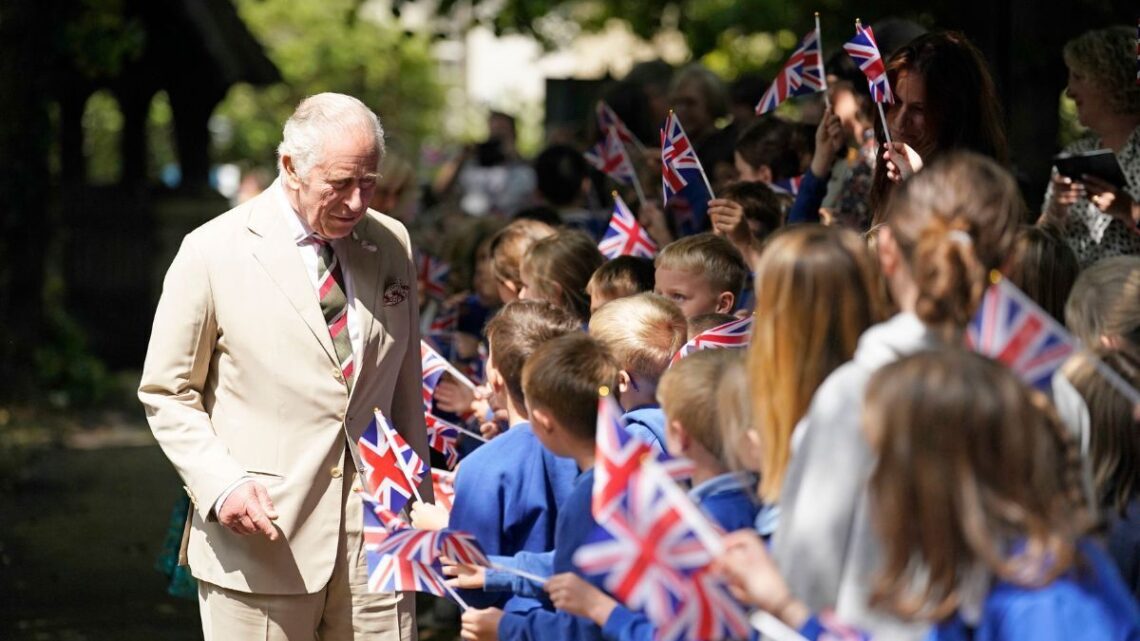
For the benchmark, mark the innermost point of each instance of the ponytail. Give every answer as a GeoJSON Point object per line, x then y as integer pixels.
{"type": "Point", "coordinates": [949, 277]}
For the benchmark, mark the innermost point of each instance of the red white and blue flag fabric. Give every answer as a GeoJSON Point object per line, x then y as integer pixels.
{"type": "Point", "coordinates": [609, 121]}
{"type": "Point", "coordinates": [434, 367]}
{"type": "Point", "coordinates": [432, 274]}
{"type": "Point", "coordinates": [802, 74]}
{"type": "Point", "coordinates": [443, 486]}
{"type": "Point", "coordinates": [443, 437]}
{"type": "Point", "coordinates": [650, 556]}
{"type": "Point", "coordinates": [1011, 329]}
{"type": "Point", "coordinates": [610, 157]}
{"type": "Point", "coordinates": [865, 52]}
{"type": "Point", "coordinates": [625, 236]}
{"type": "Point", "coordinates": [391, 573]}
{"type": "Point", "coordinates": [409, 559]}
{"type": "Point", "coordinates": [618, 456]}
{"type": "Point", "coordinates": [682, 176]}
{"type": "Point", "coordinates": [788, 186]}
{"type": "Point", "coordinates": [386, 477]}
{"type": "Point", "coordinates": [735, 334]}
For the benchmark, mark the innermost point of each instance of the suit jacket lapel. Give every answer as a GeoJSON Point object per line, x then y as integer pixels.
{"type": "Point", "coordinates": [276, 251]}
{"type": "Point", "coordinates": [364, 262]}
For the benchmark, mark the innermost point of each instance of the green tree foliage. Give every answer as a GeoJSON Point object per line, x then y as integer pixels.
{"type": "Point", "coordinates": [329, 45]}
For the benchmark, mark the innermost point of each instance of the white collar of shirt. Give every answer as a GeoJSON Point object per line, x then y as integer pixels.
{"type": "Point", "coordinates": [298, 226]}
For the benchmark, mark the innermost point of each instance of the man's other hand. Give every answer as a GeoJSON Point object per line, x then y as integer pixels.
{"type": "Point", "coordinates": [248, 510]}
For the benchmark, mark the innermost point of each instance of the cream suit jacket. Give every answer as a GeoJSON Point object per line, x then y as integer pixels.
{"type": "Point", "coordinates": [241, 379]}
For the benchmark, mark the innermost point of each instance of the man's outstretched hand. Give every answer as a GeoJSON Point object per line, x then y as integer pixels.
{"type": "Point", "coordinates": [248, 510]}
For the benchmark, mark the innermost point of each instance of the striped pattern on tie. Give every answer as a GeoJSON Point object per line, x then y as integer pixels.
{"type": "Point", "coordinates": [334, 306]}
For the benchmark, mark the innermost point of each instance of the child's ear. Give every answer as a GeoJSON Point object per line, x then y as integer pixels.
{"type": "Point", "coordinates": [888, 250]}
{"type": "Point", "coordinates": [540, 420]}
{"type": "Point", "coordinates": [624, 381]}
{"type": "Point", "coordinates": [725, 302]}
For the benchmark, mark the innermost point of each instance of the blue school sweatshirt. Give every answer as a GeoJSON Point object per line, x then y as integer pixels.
{"type": "Point", "coordinates": [647, 423]}
{"type": "Point", "coordinates": [729, 503]}
{"type": "Point", "coordinates": [507, 494]}
{"type": "Point", "coordinates": [575, 524]}
{"type": "Point", "coordinates": [1090, 603]}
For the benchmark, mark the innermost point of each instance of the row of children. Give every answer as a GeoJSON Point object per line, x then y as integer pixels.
{"type": "Point", "coordinates": [912, 487]}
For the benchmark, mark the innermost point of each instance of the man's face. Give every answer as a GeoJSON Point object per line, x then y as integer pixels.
{"type": "Point", "coordinates": [691, 292]}
{"type": "Point", "coordinates": [335, 194]}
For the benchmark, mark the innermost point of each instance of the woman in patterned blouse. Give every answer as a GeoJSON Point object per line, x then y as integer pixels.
{"type": "Point", "coordinates": [1095, 218]}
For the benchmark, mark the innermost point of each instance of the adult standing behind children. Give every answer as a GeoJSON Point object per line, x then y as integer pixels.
{"type": "Point", "coordinates": [282, 324]}
{"type": "Point", "coordinates": [1097, 219]}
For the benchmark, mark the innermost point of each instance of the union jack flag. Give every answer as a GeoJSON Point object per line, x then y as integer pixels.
{"type": "Point", "coordinates": [788, 186]}
{"type": "Point", "coordinates": [385, 480]}
{"type": "Point", "coordinates": [434, 367]}
{"type": "Point", "coordinates": [463, 547]}
{"type": "Point", "coordinates": [681, 173]}
{"type": "Point", "coordinates": [735, 333]}
{"type": "Point", "coordinates": [1011, 329]}
{"type": "Point", "coordinates": [390, 573]}
{"type": "Point", "coordinates": [378, 523]}
{"type": "Point", "coordinates": [618, 457]}
{"type": "Point", "coordinates": [609, 157]}
{"type": "Point", "coordinates": [432, 273]}
{"type": "Point", "coordinates": [443, 437]}
{"type": "Point", "coordinates": [865, 52]}
{"type": "Point", "coordinates": [802, 74]}
{"type": "Point", "coordinates": [650, 557]}
{"type": "Point", "coordinates": [609, 121]}
{"type": "Point", "coordinates": [625, 236]}
{"type": "Point", "coordinates": [443, 483]}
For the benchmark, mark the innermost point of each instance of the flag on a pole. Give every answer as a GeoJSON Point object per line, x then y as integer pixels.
{"type": "Point", "coordinates": [1011, 329]}
{"type": "Point", "coordinates": [443, 437]}
{"type": "Point", "coordinates": [618, 456]}
{"type": "Point", "coordinates": [609, 157]}
{"type": "Point", "coordinates": [386, 477]}
{"type": "Point", "coordinates": [735, 333]}
{"type": "Point", "coordinates": [432, 273]}
{"type": "Point", "coordinates": [651, 555]}
{"type": "Point", "coordinates": [865, 52]}
{"type": "Point", "coordinates": [625, 236]}
{"type": "Point", "coordinates": [682, 175]}
{"type": "Point", "coordinates": [434, 367]}
{"type": "Point", "coordinates": [802, 74]}
{"type": "Point", "coordinates": [608, 121]}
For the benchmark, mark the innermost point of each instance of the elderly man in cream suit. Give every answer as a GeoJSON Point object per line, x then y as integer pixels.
{"type": "Point", "coordinates": [282, 324]}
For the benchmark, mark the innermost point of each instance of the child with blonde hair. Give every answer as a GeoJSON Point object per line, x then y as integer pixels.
{"type": "Point", "coordinates": [643, 332]}
{"type": "Point", "coordinates": [702, 274]}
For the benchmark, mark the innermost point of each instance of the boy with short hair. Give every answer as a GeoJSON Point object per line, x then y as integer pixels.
{"type": "Point", "coordinates": [702, 274]}
{"type": "Point", "coordinates": [623, 276]}
{"type": "Point", "coordinates": [508, 491]}
{"type": "Point", "coordinates": [562, 380]}
{"type": "Point", "coordinates": [688, 395]}
{"type": "Point", "coordinates": [643, 332]}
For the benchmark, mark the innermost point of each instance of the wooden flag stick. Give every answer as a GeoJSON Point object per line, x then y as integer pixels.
{"type": "Point", "coordinates": [477, 437]}
{"type": "Point", "coordinates": [774, 628]}
{"type": "Point", "coordinates": [458, 599]}
{"type": "Point", "coordinates": [524, 574]}
{"type": "Point", "coordinates": [822, 73]}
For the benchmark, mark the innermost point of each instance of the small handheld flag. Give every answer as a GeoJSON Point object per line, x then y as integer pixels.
{"type": "Point", "coordinates": [625, 236]}
{"type": "Point", "coordinates": [682, 174]}
{"type": "Point", "coordinates": [802, 74]}
{"type": "Point", "coordinates": [864, 50]}
{"type": "Point", "coordinates": [392, 469]}
{"type": "Point", "coordinates": [432, 273]}
{"type": "Point", "coordinates": [735, 333]}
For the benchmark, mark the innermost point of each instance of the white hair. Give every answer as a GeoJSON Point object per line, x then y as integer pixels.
{"type": "Point", "coordinates": [319, 117]}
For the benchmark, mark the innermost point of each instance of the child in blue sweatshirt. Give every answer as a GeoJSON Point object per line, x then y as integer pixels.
{"type": "Point", "coordinates": [643, 332]}
{"type": "Point", "coordinates": [969, 454]}
{"type": "Point", "coordinates": [694, 430]}
{"type": "Point", "coordinates": [562, 381]}
{"type": "Point", "coordinates": [508, 491]}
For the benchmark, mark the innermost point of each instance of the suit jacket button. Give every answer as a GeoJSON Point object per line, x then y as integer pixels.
{"type": "Point", "coordinates": [336, 472]}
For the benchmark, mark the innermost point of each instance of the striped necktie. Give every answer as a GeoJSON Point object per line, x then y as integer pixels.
{"type": "Point", "coordinates": [334, 306]}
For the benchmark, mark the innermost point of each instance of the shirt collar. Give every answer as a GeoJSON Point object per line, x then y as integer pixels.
{"type": "Point", "coordinates": [298, 227]}
{"type": "Point", "coordinates": [728, 482]}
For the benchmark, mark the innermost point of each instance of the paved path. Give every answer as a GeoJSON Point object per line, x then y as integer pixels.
{"type": "Point", "coordinates": [78, 542]}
